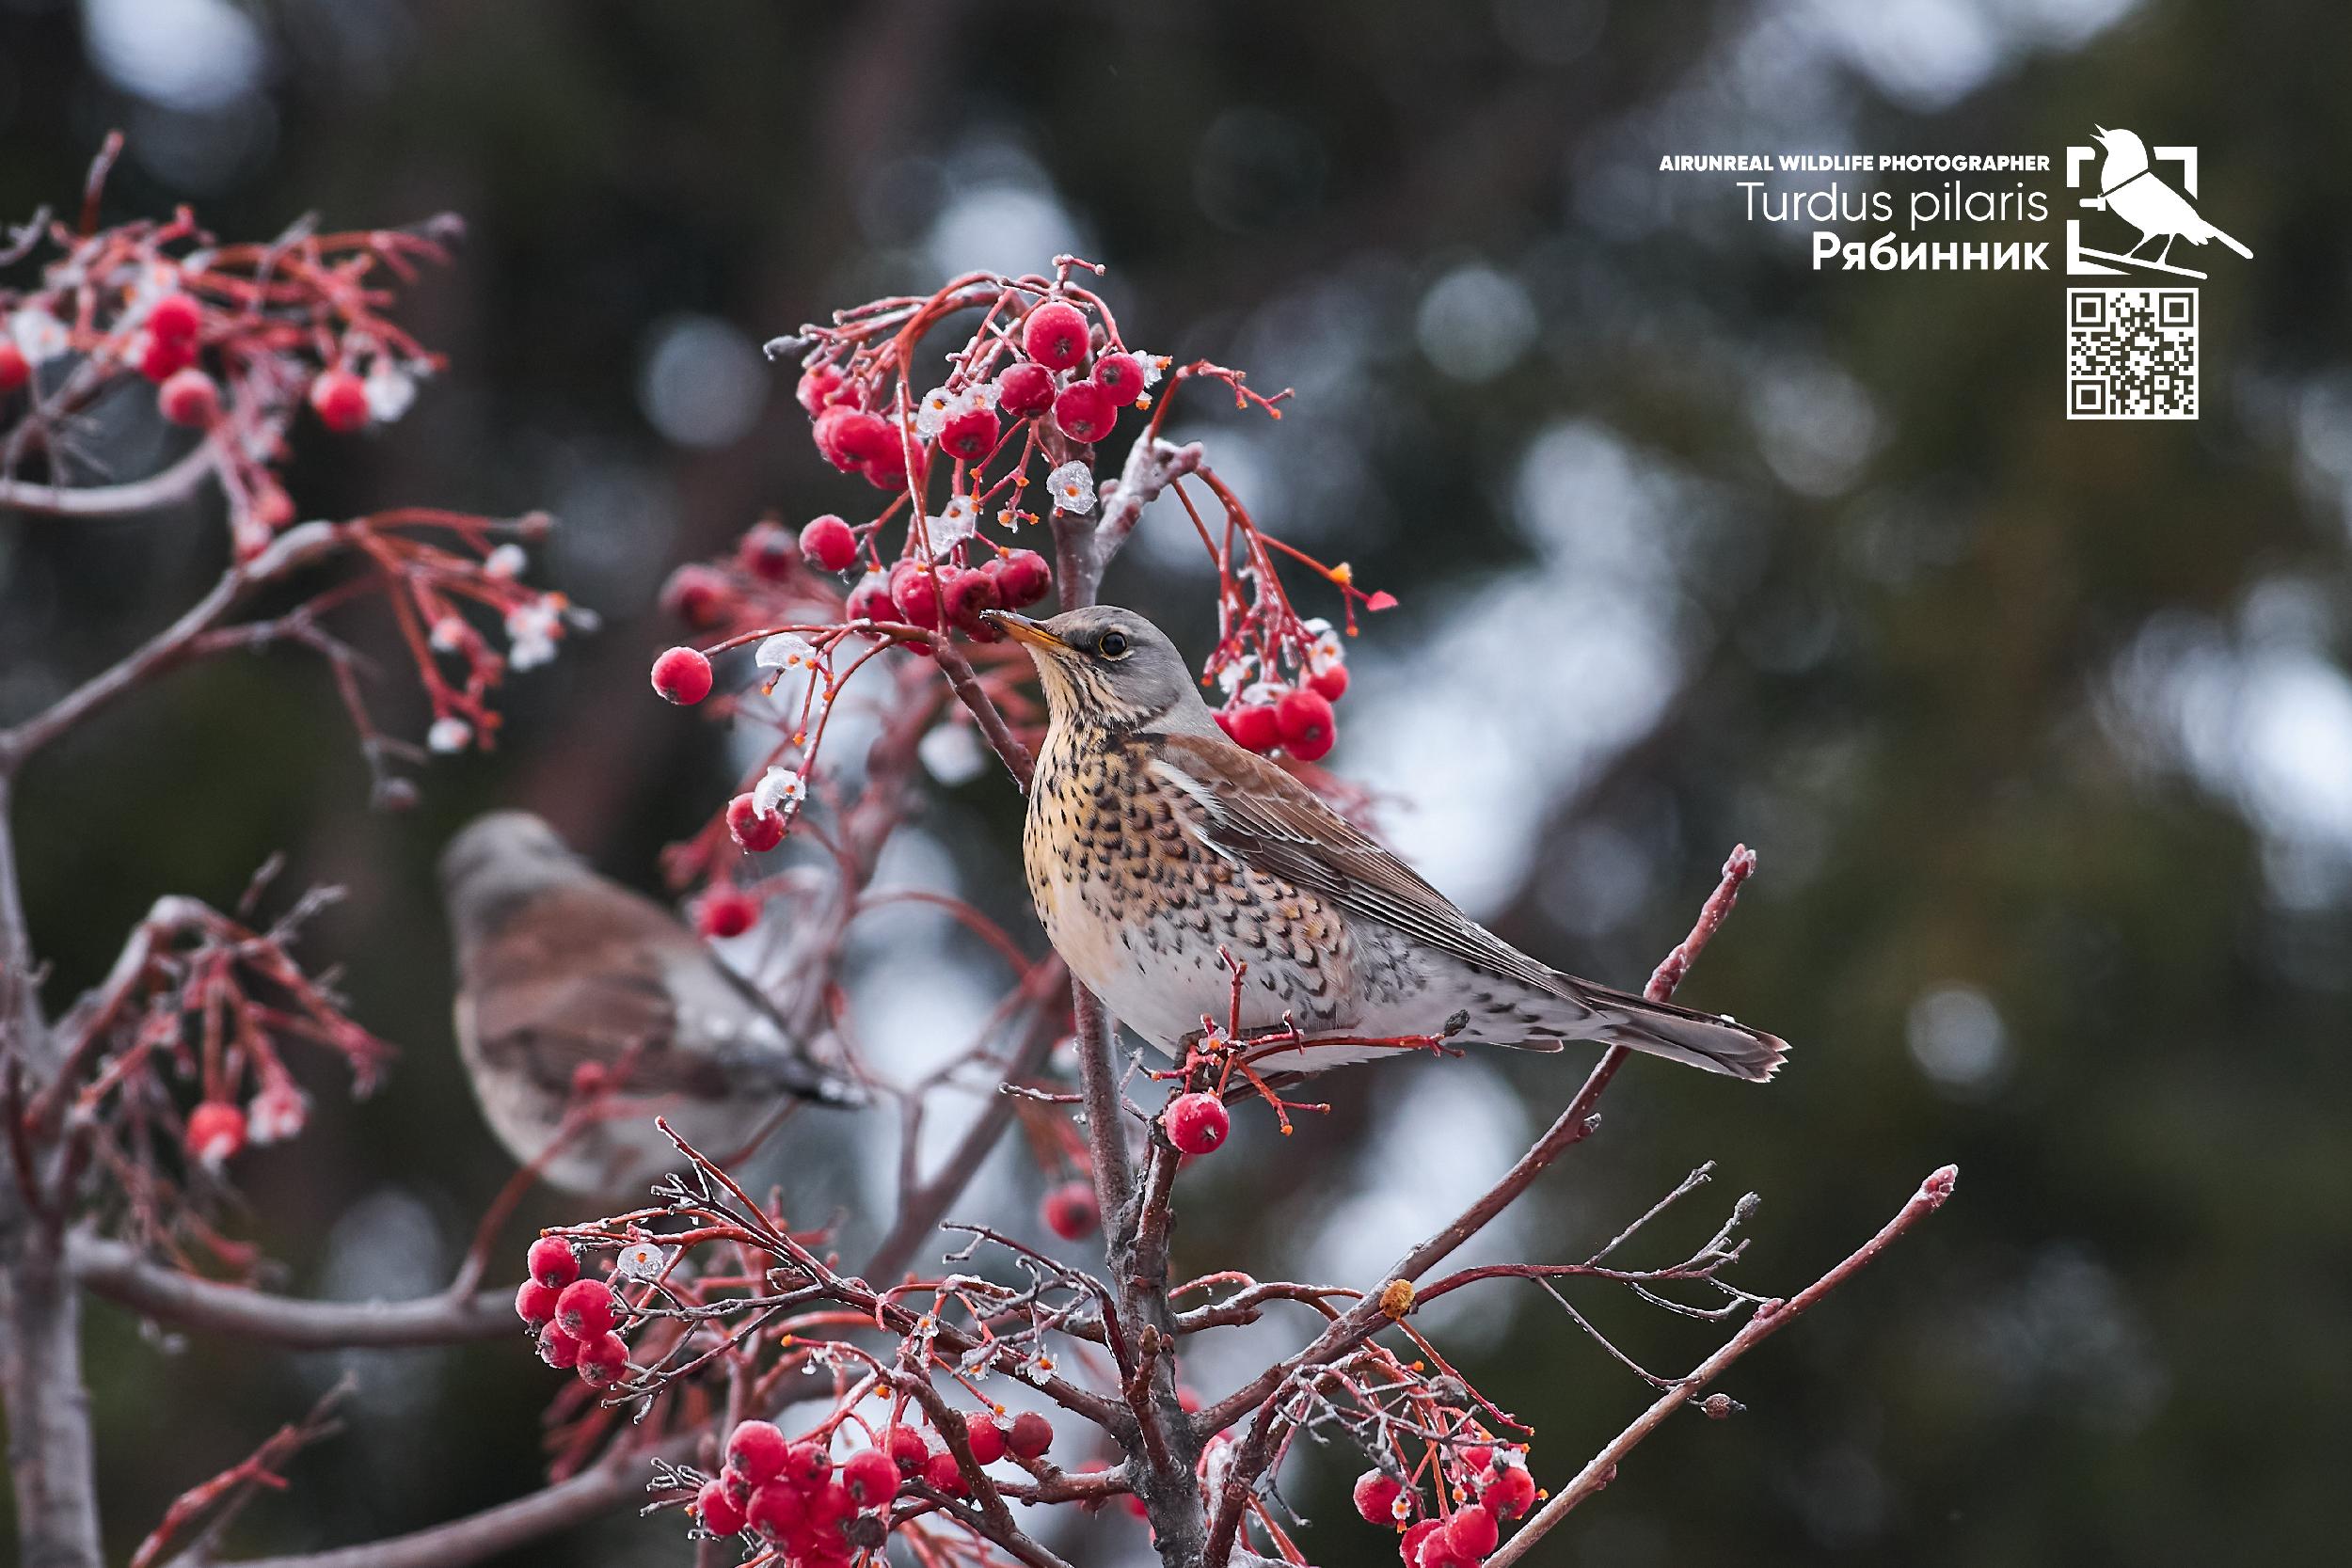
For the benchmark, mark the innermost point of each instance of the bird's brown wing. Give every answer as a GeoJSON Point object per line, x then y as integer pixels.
{"type": "Point", "coordinates": [1254, 813]}
{"type": "Point", "coordinates": [569, 984]}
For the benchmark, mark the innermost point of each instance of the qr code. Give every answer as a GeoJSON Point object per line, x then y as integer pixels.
{"type": "Point", "coordinates": [2131, 353]}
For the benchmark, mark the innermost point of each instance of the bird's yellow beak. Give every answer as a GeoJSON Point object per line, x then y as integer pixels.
{"type": "Point", "coordinates": [1022, 629]}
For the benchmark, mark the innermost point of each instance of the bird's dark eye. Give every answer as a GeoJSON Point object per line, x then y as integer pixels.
{"type": "Point", "coordinates": [1114, 645]}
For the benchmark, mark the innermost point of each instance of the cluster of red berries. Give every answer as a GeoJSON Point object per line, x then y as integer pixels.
{"type": "Point", "coordinates": [574, 1316]}
{"type": "Point", "coordinates": [1494, 1475]}
{"type": "Point", "coordinates": [939, 595]}
{"type": "Point", "coordinates": [1298, 720]}
{"type": "Point", "coordinates": [817, 1515]}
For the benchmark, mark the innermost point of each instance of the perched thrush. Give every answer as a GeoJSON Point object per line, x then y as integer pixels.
{"type": "Point", "coordinates": [560, 969]}
{"type": "Point", "coordinates": [1152, 841]}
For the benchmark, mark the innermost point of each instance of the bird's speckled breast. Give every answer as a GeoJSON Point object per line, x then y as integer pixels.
{"type": "Point", "coordinates": [1138, 907]}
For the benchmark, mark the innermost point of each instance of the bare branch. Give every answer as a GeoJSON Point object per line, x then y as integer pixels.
{"type": "Point", "coordinates": [183, 479]}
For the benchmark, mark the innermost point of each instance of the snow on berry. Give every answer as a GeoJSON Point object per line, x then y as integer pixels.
{"type": "Point", "coordinates": [389, 389]}
{"type": "Point", "coordinates": [535, 1303]}
{"type": "Point", "coordinates": [1084, 412]}
{"type": "Point", "coordinates": [1121, 377]}
{"type": "Point", "coordinates": [641, 1260]}
{"type": "Point", "coordinates": [1377, 1495]}
{"type": "Point", "coordinates": [936, 409]}
{"type": "Point", "coordinates": [276, 1114]}
{"type": "Point", "coordinates": [787, 650]}
{"type": "Point", "coordinates": [1022, 578]}
{"type": "Point", "coordinates": [754, 828]}
{"type": "Point", "coordinates": [1072, 1212]}
{"type": "Point", "coordinates": [1072, 487]}
{"type": "Point", "coordinates": [448, 734]}
{"type": "Point", "coordinates": [870, 1478]}
{"type": "Point", "coordinates": [189, 398]}
{"type": "Point", "coordinates": [214, 1132]}
{"type": "Point", "coordinates": [340, 400]}
{"type": "Point", "coordinates": [716, 1509]}
{"type": "Point", "coordinates": [603, 1361]}
{"type": "Point", "coordinates": [1307, 725]}
{"type": "Point", "coordinates": [1024, 389]}
{"type": "Point", "coordinates": [756, 1451]}
{"type": "Point", "coordinates": [970, 435]}
{"type": "Point", "coordinates": [682, 675]}
{"type": "Point", "coordinates": [828, 542]}
{"type": "Point", "coordinates": [725, 911]}
{"type": "Point", "coordinates": [954, 524]}
{"type": "Point", "coordinates": [1056, 335]}
{"type": "Point", "coordinates": [779, 792]}
{"type": "Point", "coordinates": [1196, 1123]}
{"type": "Point", "coordinates": [551, 1262]}
{"type": "Point", "coordinates": [585, 1307]}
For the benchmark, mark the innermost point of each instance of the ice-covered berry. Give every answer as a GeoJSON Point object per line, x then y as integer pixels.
{"type": "Point", "coordinates": [535, 1303]}
{"type": "Point", "coordinates": [682, 675]}
{"type": "Point", "coordinates": [1196, 1123]}
{"type": "Point", "coordinates": [776, 1510]}
{"type": "Point", "coordinates": [818, 387]}
{"type": "Point", "coordinates": [870, 1476]}
{"type": "Point", "coordinates": [1029, 1436]}
{"type": "Point", "coordinates": [986, 1438]}
{"type": "Point", "coordinates": [214, 1132]}
{"type": "Point", "coordinates": [1120, 376]}
{"type": "Point", "coordinates": [1056, 335]}
{"type": "Point", "coordinates": [557, 1348]}
{"type": "Point", "coordinates": [914, 589]}
{"type": "Point", "coordinates": [718, 1512]}
{"type": "Point", "coordinates": [1084, 412]}
{"type": "Point", "coordinates": [756, 1451]}
{"type": "Point", "coordinates": [1072, 1212]}
{"type": "Point", "coordinates": [1022, 578]}
{"type": "Point", "coordinates": [1024, 389]}
{"type": "Point", "coordinates": [849, 436]}
{"type": "Point", "coordinates": [944, 1474]}
{"type": "Point", "coordinates": [603, 1360]}
{"type": "Point", "coordinates": [1307, 725]}
{"type": "Point", "coordinates": [1508, 1491]}
{"type": "Point", "coordinates": [1328, 681]}
{"type": "Point", "coordinates": [1472, 1533]}
{"type": "Point", "coordinates": [1377, 1493]}
{"type": "Point", "coordinates": [870, 599]}
{"type": "Point", "coordinates": [174, 316]}
{"type": "Point", "coordinates": [754, 828]}
{"type": "Point", "coordinates": [725, 911]}
{"type": "Point", "coordinates": [1251, 726]}
{"type": "Point", "coordinates": [551, 1262]}
{"type": "Point", "coordinates": [585, 1308]}
{"type": "Point", "coordinates": [971, 434]}
{"type": "Point", "coordinates": [340, 399]}
{"type": "Point", "coordinates": [190, 398]}
{"type": "Point", "coordinates": [1409, 1547]}
{"type": "Point", "coordinates": [968, 594]}
{"type": "Point", "coordinates": [828, 542]}
{"type": "Point", "coordinates": [907, 1449]}
{"type": "Point", "coordinates": [807, 1465]}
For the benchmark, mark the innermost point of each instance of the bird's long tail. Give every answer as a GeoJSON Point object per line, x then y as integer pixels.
{"type": "Point", "coordinates": [1705, 1040]}
{"type": "Point", "coordinates": [2231, 243]}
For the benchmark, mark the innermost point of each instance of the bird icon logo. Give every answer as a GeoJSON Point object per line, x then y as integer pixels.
{"type": "Point", "coordinates": [2130, 187]}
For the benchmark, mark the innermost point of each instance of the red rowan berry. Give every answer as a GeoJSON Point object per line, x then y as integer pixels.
{"type": "Point", "coordinates": [1056, 335]}
{"type": "Point", "coordinates": [603, 1361]}
{"type": "Point", "coordinates": [914, 589]}
{"type": "Point", "coordinates": [1196, 1123]}
{"type": "Point", "coordinates": [1024, 389]}
{"type": "Point", "coordinates": [682, 675]}
{"type": "Point", "coordinates": [1251, 726]}
{"type": "Point", "coordinates": [1072, 1212]}
{"type": "Point", "coordinates": [869, 1477]}
{"type": "Point", "coordinates": [807, 1464]}
{"type": "Point", "coordinates": [969, 594]}
{"type": "Point", "coordinates": [750, 828]}
{"type": "Point", "coordinates": [870, 599]}
{"type": "Point", "coordinates": [174, 316]}
{"type": "Point", "coordinates": [1474, 1460]}
{"type": "Point", "coordinates": [1508, 1491]}
{"type": "Point", "coordinates": [756, 1451]}
{"type": "Point", "coordinates": [1330, 683]}
{"type": "Point", "coordinates": [558, 1349]}
{"type": "Point", "coordinates": [1473, 1532]}
{"type": "Point", "coordinates": [971, 434]}
{"type": "Point", "coordinates": [1409, 1547]}
{"type": "Point", "coordinates": [340, 400]}
{"type": "Point", "coordinates": [551, 1262]}
{"type": "Point", "coordinates": [766, 552]}
{"type": "Point", "coordinates": [944, 1474]}
{"type": "Point", "coordinates": [535, 1303]}
{"type": "Point", "coordinates": [161, 358]}
{"type": "Point", "coordinates": [699, 597]}
{"type": "Point", "coordinates": [1307, 725]}
{"type": "Point", "coordinates": [15, 370]}
{"type": "Point", "coordinates": [214, 1132]}
{"type": "Point", "coordinates": [776, 1510]}
{"type": "Point", "coordinates": [824, 1505]}
{"type": "Point", "coordinates": [1120, 376]}
{"type": "Point", "coordinates": [1030, 1435]}
{"type": "Point", "coordinates": [818, 387]}
{"type": "Point", "coordinates": [907, 1449]}
{"type": "Point", "coordinates": [986, 1438]}
{"type": "Point", "coordinates": [584, 1310]}
{"type": "Point", "coordinates": [1084, 412]}
{"type": "Point", "coordinates": [189, 398]}
{"type": "Point", "coordinates": [1022, 578]}
{"type": "Point", "coordinates": [848, 436]}
{"type": "Point", "coordinates": [1376, 1496]}
{"type": "Point", "coordinates": [829, 543]}
{"type": "Point", "coordinates": [725, 911]}
{"type": "Point", "coordinates": [886, 473]}
{"type": "Point", "coordinates": [716, 1509]}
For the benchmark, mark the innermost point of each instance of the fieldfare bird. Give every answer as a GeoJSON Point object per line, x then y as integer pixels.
{"type": "Point", "coordinates": [1152, 842]}
{"type": "Point", "coordinates": [2129, 187]}
{"type": "Point", "coordinates": [560, 969]}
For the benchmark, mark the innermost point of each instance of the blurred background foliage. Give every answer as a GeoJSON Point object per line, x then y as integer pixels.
{"type": "Point", "coordinates": [2041, 729]}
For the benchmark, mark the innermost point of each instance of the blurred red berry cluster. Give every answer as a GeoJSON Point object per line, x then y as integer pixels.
{"type": "Point", "coordinates": [1479, 1487]}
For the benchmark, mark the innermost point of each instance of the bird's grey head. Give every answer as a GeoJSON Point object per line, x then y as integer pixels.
{"type": "Point", "coordinates": [1107, 666]}
{"type": "Point", "coordinates": [498, 860]}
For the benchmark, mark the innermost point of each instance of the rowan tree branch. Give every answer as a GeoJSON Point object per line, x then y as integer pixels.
{"type": "Point", "coordinates": [177, 483]}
